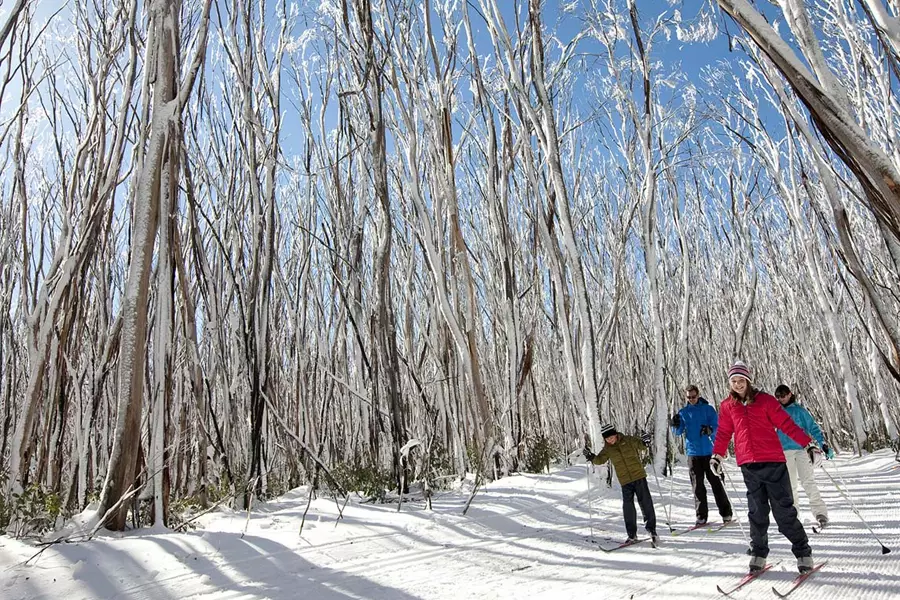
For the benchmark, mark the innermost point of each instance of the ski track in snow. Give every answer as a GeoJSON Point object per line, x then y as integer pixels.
{"type": "Point", "coordinates": [526, 536]}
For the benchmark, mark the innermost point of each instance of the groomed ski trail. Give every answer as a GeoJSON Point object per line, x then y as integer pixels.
{"type": "Point", "coordinates": [526, 536]}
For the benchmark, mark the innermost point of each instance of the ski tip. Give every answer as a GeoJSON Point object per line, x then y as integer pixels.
{"type": "Point", "coordinates": [777, 593]}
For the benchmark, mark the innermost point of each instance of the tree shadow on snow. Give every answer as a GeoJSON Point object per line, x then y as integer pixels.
{"type": "Point", "coordinates": [265, 568]}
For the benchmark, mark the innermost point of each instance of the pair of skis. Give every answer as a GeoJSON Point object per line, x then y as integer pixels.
{"type": "Point", "coordinates": [749, 577]}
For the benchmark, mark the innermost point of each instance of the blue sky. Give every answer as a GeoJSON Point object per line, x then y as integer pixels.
{"type": "Point", "coordinates": [691, 57]}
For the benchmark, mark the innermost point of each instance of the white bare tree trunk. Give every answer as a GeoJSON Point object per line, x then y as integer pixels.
{"type": "Point", "coordinates": [157, 175]}
{"type": "Point", "coordinates": [881, 396]}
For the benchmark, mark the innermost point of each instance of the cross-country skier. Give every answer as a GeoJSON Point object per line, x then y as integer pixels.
{"type": "Point", "coordinates": [752, 417]}
{"type": "Point", "coordinates": [798, 464]}
{"type": "Point", "coordinates": [697, 421]}
{"type": "Point", "coordinates": [625, 452]}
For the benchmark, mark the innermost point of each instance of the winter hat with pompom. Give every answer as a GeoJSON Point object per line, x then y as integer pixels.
{"type": "Point", "coordinates": [739, 369]}
{"type": "Point", "coordinates": [608, 430]}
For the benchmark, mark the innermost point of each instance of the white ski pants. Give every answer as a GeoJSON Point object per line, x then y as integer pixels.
{"type": "Point", "coordinates": [799, 467]}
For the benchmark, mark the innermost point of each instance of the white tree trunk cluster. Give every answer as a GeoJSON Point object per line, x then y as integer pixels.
{"type": "Point", "coordinates": [260, 244]}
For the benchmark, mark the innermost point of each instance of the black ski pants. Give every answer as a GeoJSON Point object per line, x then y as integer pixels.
{"type": "Point", "coordinates": [699, 466]}
{"type": "Point", "coordinates": [768, 484]}
{"type": "Point", "coordinates": [640, 489]}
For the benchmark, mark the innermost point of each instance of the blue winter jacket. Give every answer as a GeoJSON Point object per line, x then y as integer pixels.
{"type": "Point", "coordinates": [802, 418]}
{"type": "Point", "coordinates": [693, 417]}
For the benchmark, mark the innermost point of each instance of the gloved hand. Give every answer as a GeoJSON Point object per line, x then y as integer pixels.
{"type": "Point", "coordinates": [675, 420]}
{"type": "Point", "coordinates": [814, 453]}
{"type": "Point", "coordinates": [588, 455]}
{"type": "Point", "coordinates": [716, 466]}
{"type": "Point", "coordinates": [829, 453]}
{"type": "Point", "coordinates": [645, 437]}
{"type": "Point", "coordinates": [706, 430]}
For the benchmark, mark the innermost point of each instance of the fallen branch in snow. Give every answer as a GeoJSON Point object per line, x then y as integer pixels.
{"type": "Point", "coordinates": [341, 510]}
{"type": "Point", "coordinates": [230, 496]}
{"type": "Point", "coordinates": [312, 490]}
{"type": "Point", "coordinates": [69, 539]}
{"type": "Point", "coordinates": [478, 481]}
{"type": "Point", "coordinates": [60, 540]}
{"type": "Point", "coordinates": [115, 507]}
{"type": "Point", "coordinates": [249, 507]}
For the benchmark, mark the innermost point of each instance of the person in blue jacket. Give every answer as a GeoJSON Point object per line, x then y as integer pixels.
{"type": "Point", "coordinates": [798, 462]}
{"type": "Point", "coordinates": [697, 421]}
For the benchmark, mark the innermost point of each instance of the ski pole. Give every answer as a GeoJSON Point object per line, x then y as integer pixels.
{"type": "Point", "coordinates": [671, 486]}
{"type": "Point", "coordinates": [659, 489]}
{"type": "Point", "coordinates": [590, 502]}
{"type": "Point", "coordinates": [587, 465]}
{"type": "Point", "coordinates": [730, 501]}
{"type": "Point", "coordinates": [846, 495]}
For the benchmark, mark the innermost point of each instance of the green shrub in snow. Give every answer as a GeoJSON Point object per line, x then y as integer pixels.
{"type": "Point", "coordinates": [370, 481]}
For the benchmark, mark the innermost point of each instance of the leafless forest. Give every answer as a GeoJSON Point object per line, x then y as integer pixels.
{"type": "Point", "coordinates": [377, 244]}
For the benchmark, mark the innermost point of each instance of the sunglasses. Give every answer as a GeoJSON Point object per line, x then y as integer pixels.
{"type": "Point", "coordinates": [691, 396]}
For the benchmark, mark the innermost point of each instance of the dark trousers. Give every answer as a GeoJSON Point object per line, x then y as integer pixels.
{"type": "Point", "coordinates": [699, 466]}
{"type": "Point", "coordinates": [640, 489]}
{"type": "Point", "coordinates": [768, 484]}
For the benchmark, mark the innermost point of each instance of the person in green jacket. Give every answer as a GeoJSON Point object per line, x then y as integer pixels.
{"type": "Point", "coordinates": [625, 452]}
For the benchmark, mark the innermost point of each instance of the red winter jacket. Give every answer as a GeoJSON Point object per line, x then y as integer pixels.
{"type": "Point", "coordinates": [753, 426]}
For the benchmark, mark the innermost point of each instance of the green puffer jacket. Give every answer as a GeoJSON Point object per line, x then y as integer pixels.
{"type": "Point", "coordinates": [625, 456]}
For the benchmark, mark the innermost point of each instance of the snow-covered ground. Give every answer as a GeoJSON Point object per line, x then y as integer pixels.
{"type": "Point", "coordinates": [527, 536]}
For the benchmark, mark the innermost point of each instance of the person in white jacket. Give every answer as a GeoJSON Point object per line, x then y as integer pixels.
{"type": "Point", "coordinates": [800, 469]}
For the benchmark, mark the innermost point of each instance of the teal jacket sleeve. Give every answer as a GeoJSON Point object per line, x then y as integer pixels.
{"type": "Point", "coordinates": [810, 426]}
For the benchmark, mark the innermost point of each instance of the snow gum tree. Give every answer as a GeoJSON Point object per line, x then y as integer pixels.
{"type": "Point", "coordinates": [166, 92]}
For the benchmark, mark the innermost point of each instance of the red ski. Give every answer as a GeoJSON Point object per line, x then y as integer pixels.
{"type": "Point", "coordinates": [798, 581]}
{"type": "Point", "coordinates": [744, 580]}
{"type": "Point", "coordinates": [694, 528]}
{"type": "Point", "coordinates": [720, 527]}
{"type": "Point", "coordinates": [622, 545]}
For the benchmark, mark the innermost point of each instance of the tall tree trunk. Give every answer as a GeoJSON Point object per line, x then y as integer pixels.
{"type": "Point", "coordinates": [157, 174]}
{"type": "Point", "coordinates": [573, 256]}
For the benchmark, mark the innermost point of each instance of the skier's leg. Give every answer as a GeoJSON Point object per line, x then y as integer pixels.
{"type": "Point", "coordinates": [758, 514]}
{"type": "Point", "coordinates": [696, 466]}
{"type": "Point", "coordinates": [777, 482]}
{"type": "Point", "coordinates": [719, 493]}
{"type": "Point", "coordinates": [807, 479]}
{"type": "Point", "coordinates": [642, 491]}
{"type": "Point", "coordinates": [628, 510]}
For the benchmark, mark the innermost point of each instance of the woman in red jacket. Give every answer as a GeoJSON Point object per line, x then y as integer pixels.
{"type": "Point", "coordinates": [752, 417]}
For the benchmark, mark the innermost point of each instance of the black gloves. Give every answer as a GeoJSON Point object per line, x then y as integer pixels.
{"type": "Point", "coordinates": [645, 437]}
{"type": "Point", "coordinates": [829, 453]}
{"type": "Point", "coordinates": [588, 455]}
{"type": "Point", "coordinates": [706, 430]}
{"type": "Point", "coordinates": [675, 420]}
